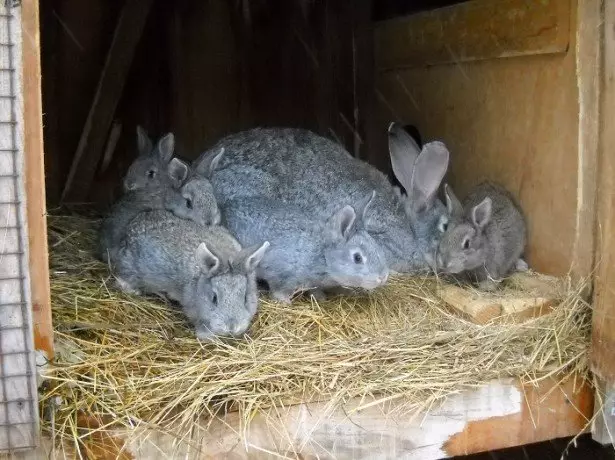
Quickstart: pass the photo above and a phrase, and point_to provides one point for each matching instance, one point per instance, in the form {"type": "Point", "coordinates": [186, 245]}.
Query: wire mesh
{"type": "Point", "coordinates": [18, 397]}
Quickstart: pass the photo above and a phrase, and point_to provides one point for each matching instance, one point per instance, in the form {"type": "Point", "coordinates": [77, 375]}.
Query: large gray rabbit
{"type": "Point", "coordinates": [315, 174]}
{"type": "Point", "coordinates": [307, 253]}
{"type": "Point", "coordinates": [142, 192]}
{"type": "Point", "coordinates": [485, 237]}
{"type": "Point", "coordinates": [204, 269]}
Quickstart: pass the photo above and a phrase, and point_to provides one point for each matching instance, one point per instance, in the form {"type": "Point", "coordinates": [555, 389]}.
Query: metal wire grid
{"type": "Point", "coordinates": [18, 398]}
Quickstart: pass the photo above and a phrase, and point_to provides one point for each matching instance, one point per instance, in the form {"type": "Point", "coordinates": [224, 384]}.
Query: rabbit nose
{"type": "Point", "coordinates": [237, 329]}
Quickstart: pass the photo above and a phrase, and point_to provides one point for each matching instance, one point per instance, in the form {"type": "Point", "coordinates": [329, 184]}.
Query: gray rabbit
{"type": "Point", "coordinates": [148, 170]}
{"type": "Point", "coordinates": [135, 201]}
{"type": "Point", "coordinates": [486, 236]}
{"type": "Point", "coordinates": [305, 253]}
{"type": "Point", "coordinates": [315, 174]}
{"type": "Point", "coordinates": [195, 199]}
{"type": "Point", "coordinates": [204, 269]}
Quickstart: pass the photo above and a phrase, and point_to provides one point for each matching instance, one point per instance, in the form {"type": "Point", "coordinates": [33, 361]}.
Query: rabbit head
{"type": "Point", "coordinates": [155, 166]}
{"type": "Point", "coordinates": [222, 301]}
{"type": "Point", "coordinates": [194, 200]}
{"type": "Point", "coordinates": [463, 245]}
{"type": "Point", "coordinates": [353, 258]}
{"type": "Point", "coordinates": [420, 171]}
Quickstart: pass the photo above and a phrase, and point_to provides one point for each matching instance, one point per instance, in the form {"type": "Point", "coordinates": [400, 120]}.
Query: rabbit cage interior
{"type": "Point", "coordinates": [418, 367]}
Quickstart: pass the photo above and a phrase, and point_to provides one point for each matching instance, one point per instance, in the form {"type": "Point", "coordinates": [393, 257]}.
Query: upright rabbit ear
{"type": "Point", "coordinates": [166, 147]}
{"type": "Point", "coordinates": [481, 213]}
{"type": "Point", "coordinates": [429, 170]}
{"type": "Point", "coordinates": [362, 207]}
{"type": "Point", "coordinates": [144, 143]}
{"type": "Point", "coordinates": [453, 205]}
{"type": "Point", "coordinates": [207, 164]}
{"type": "Point", "coordinates": [339, 226]}
{"type": "Point", "coordinates": [207, 260]}
{"type": "Point", "coordinates": [403, 151]}
{"type": "Point", "coordinates": [249, 258]}
{"type": "Point", "coordinates": [178, 170]}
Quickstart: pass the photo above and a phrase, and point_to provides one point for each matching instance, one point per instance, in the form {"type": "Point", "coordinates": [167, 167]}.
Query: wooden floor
{"type": "Point", "coordinates": [586, 449]}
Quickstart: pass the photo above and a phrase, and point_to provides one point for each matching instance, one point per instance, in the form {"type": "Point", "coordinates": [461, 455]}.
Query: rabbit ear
{"type": "Point", "coordinates": [429, 170]}
{"type": "Point", "coordinates": [340, 224]}
{"type": "Point", "coordinates": [206, 165]}
{"type": "Point", "coordinates": [453, 205]}
{"type": "Point", "coordinates": [364, 205]}
{"type": "Point", "coordinates": [250, 258]}
{"type": "Point", "coordinates": [178, 170]}
{"type": "Point", "coordinates": [481, 213]}
{"type": "Point", "coordinates": [166, 146]}
{"type": "Point", "coordinates": [403, 151]}
{"type": "Point", "coordinates": [144, 143]}
{"type": "Point", "coordinates": [207, 260]}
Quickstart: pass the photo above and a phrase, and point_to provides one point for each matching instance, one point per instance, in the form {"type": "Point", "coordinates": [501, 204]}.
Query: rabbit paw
{"type": "Point", "coordinates": [488, 285]}
{"type": "Point", "coordinates": [521, 265]}
{"type": "Point", "coordinates": [281, 296]}
{"type": "Point", "coordinates": [126, 287]}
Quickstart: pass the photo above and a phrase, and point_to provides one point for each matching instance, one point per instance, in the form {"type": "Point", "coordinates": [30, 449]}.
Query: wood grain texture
{"type": "Point", "coordinates": [499, 415]}
{"type": "Point", "coordinates": [603, 336]}
{"type": "Point", "coordinates": [514, 121]}
{"type": "Point", "coordinates": [108, 93]}
{"type": "Point", "coordinates": [35, 181]}
{"type": "Point", "coordinates": [480, 29]}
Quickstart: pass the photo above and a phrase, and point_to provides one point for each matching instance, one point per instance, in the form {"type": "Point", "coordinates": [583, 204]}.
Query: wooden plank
{"type": "Point", "coordinates": [475, 30]}
{"type": "Point", "coordinates": [603, 428]}
{"type": "Point", "coordinates": [110, 86]}
{"type": "Point", "coordinates": [35, 181]}
{"type": "Point", "coordinates": [603, 335]}
{"type": "Point", "coordinates": [513, 121]}
{"type": "Point", "coordinates": [502, 414]}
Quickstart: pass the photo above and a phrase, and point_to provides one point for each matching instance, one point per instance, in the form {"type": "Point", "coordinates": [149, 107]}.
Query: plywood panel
{"type": "Point", "coordinates": [513, 120]}
{"type": "Point", "coordinates": [480, 29]}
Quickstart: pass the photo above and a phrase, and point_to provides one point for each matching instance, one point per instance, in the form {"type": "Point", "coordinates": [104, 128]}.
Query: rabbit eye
{"type": "Point", "coordinates": [151, 174]}
{"type": "Point", "coordinates": [188, 203]}
{"type": "Point", "coordinates": [357, 258]}
{"type": "Point", "coordinates": [466, 244]}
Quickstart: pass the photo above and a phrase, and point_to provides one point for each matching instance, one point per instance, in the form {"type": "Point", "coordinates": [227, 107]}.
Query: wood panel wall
{"type": "Point", "coordinates": [514, 120]}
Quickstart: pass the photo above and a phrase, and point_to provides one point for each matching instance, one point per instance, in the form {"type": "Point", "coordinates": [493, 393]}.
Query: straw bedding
{"type": "Point", "coordinates": [135, 361]}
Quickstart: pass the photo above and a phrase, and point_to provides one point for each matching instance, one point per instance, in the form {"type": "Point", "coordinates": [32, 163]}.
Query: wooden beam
{"type": "Point", "coordinates": [35, 180]}
{"type": "Point", "coordinates": [475, 30]}
{"type": "Point", "coordinates": [502, 414]}
{"type": "Point", "coordinates": [603, 335]}
{"type": "Point", "coordinates": [110, 86]}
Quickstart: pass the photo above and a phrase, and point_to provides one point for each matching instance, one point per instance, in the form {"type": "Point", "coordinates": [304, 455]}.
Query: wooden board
{"type": "Point", "coordinates": [503, 414]}
{"type": "Point", "coordinates": [479, 29]}
{"type": "Point", "coordinates": [603, 336]}
{"type": "Point", "coordinates": [110, 86]}
{"type": "Point", "coordinates": [35, 183]}
{"type": "Point", "coordinates": [514, 121]}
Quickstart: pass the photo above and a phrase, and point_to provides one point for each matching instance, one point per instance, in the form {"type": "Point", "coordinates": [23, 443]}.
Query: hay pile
{"type": "Point", "coordinates": [135, 360]}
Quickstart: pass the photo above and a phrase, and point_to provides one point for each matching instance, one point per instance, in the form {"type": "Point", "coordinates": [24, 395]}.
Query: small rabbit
{"type": "Point", "coordinates": [204, 269]}
{"type": "Point", "coordinates": [136, 201]}
{"type": "Point", "coordinates": [485, 237]}
{"type": "Point", "coordinates": [305, 255]}
{"type": "Point", "coordinates": [148, 169]}
{"type": "Point", "coordinates": [195, 199]}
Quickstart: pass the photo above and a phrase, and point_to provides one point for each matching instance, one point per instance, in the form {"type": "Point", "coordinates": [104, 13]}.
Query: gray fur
{"type": "Point", "coordinates": [486, 235]}
{"type": "Point", "coordinates": [315, 174]}
{"type": "Point", "coordinates": [305, 254]}
{"type": "Point", "coordinates": [148, 170]}
{"type": "Point", "coordinates": [204, 269]}
{"type": "Point", "coordinates": [195, 200]}
{"type": "Point", "coordinates": [135, 201]}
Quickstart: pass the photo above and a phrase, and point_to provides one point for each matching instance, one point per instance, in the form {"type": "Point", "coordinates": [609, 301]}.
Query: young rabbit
{"type": "Point", "coordinates": [318, 176]}
{"type": "Point", "coordinates": [485, 237]}
{"type": "Point", "coordinates": [195, 199]}
{"type": "Point", "coordinates": [204, 269]}
{"type": "Point", "coordinates": [135, 201]}
{"type": "Point", "coordinates": [148, 169]}
{"type": "Point", "coordinates": [305, 254]}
